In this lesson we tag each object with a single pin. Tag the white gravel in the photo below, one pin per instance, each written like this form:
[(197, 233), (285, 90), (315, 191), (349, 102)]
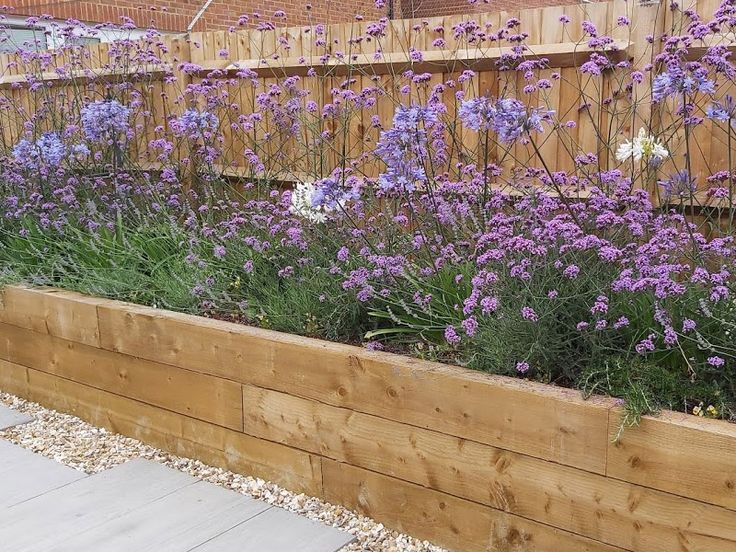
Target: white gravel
[(90, 449)]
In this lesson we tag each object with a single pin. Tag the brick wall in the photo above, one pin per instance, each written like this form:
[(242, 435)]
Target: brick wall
[(433, 8), (175, 15)]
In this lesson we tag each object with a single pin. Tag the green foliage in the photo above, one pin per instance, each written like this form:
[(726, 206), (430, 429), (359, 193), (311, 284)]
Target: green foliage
[(647, 387)]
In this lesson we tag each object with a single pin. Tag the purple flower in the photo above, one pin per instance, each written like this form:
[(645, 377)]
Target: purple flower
[(48, 151), (680, 184), (724, 111), (508, 117), (571, 272), (195, 124), (330, 194), (678, 82), (470, 326), (716, 361), (646, 345), (528, 313), (688, 325), (374, 346), (105, 121), (622, 322), (488, 305), (522, 367), (600, 306), (451, 336), (405, 148)]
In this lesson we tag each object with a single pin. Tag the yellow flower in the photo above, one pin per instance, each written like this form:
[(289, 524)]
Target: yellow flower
[(698, 410), (712, 411)]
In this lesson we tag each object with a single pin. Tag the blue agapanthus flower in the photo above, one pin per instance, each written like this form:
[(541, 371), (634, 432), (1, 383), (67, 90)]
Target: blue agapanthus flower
[(47, 151), (105, 121), (196, 124), (477, 113), (680, 184), (404, 148), (724, 111), (508, 117), (678, 82), (330, 193)]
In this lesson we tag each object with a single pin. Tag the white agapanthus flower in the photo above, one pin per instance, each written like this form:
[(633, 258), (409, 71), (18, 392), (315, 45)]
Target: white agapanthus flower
[(644, 146), (301, 203)]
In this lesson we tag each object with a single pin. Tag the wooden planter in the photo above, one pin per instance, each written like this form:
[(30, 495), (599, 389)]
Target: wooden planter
[(469, 461)]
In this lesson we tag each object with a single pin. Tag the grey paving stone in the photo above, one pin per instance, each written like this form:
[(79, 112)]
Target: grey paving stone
[(25, 475), (10, 417)]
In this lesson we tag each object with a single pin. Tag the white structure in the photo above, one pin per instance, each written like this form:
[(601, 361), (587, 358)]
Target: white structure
[(18, 32)]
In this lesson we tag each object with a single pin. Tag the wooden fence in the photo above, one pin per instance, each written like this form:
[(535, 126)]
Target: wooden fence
[(345, 56), (473, 462)]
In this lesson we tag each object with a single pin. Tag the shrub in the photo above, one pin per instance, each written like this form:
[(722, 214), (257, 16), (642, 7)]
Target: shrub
[(598, 276)]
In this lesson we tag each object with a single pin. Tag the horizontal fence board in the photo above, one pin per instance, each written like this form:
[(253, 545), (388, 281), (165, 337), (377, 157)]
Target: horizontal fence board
[(175, 433), (449, 521), (577, 501), (551, 423), (564, 54), (99, 73), (63, 314), (200, 396), (678, 453)]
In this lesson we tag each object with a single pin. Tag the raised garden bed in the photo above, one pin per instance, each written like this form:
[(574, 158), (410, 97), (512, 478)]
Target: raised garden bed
[(466, 460)]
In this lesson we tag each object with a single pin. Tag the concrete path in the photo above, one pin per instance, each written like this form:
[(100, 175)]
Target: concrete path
[(139, 506)]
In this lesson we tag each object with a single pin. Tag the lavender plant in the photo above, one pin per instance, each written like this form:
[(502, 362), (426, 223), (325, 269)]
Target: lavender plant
[(448, 232)]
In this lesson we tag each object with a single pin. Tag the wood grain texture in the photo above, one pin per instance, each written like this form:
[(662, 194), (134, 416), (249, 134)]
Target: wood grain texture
[(64, 314), (451, 522), (231, 450), (678, 453), (567, 498), (562, 54), (471, 461), (547, 422), (197, 395)]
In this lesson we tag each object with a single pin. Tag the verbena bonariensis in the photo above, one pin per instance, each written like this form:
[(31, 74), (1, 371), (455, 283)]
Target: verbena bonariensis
[(472, 241)]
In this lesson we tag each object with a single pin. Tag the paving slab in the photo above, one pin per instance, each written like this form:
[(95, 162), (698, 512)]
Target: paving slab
[(140, 506), (177, 522), (11, 418), (38, 524), (25, 476), (278, 531)]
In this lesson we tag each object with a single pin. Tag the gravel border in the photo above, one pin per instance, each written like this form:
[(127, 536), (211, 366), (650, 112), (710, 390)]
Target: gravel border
[(90, 449)]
